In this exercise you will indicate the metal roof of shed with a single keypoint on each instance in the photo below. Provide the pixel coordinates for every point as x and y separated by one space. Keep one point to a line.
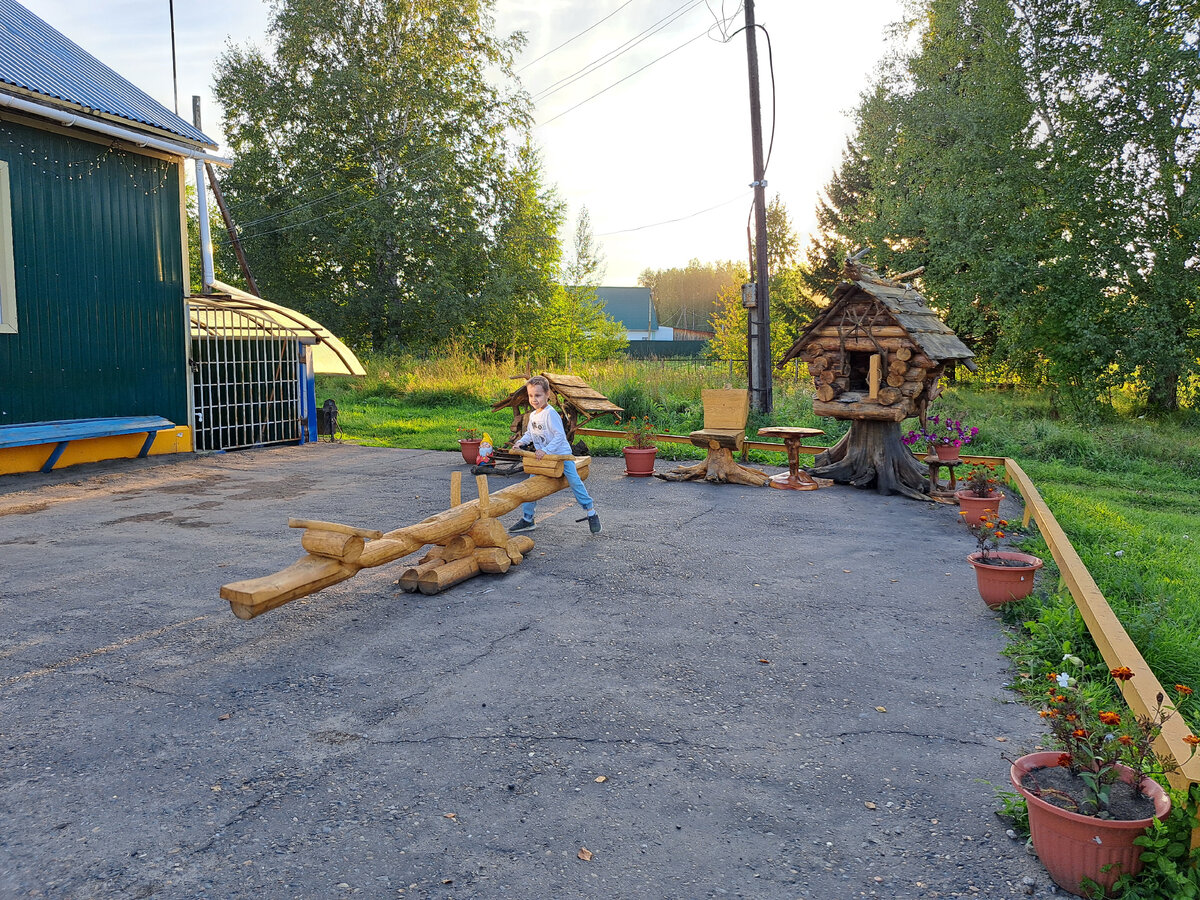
43 65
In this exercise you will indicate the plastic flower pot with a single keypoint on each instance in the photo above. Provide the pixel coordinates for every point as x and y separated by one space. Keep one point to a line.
1073 847
975 506
470 450
639 461
1009 578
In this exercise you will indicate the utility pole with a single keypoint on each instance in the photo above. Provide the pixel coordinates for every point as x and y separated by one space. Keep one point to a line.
759 318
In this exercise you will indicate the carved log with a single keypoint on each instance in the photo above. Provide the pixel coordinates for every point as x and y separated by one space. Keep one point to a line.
456 548
895 380
310 574
448 575
818 365
488 533
889 395
518 546
411 578
920 359
897 367
827 376
333 544
916 374
904 353
871 454
368 534
826 392
718 468
493 560
860 409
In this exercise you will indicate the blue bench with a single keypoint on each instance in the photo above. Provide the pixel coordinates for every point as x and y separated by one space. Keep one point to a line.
63 431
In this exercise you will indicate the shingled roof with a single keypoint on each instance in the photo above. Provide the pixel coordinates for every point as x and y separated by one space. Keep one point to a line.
905 305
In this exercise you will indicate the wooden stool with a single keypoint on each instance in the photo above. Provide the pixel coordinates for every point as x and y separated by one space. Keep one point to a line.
935 487
793 438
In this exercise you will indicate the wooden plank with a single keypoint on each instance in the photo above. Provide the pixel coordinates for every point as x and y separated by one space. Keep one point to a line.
1118 649
873 375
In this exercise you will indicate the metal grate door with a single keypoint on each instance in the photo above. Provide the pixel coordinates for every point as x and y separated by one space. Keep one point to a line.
246 383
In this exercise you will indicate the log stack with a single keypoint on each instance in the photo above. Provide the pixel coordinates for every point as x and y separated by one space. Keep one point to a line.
467 539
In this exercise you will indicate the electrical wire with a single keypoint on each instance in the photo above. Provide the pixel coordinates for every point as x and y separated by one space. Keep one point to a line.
626 78
572 38
622 49
673 221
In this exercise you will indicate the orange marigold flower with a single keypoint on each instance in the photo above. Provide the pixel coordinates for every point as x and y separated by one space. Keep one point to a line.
1064 760
1125 739
1079 733
1052 676
999 534
1192 739
1046 713
1183 689
1121 673
1110 718
1060 699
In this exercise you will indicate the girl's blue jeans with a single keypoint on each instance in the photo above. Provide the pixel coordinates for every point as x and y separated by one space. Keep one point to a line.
572 475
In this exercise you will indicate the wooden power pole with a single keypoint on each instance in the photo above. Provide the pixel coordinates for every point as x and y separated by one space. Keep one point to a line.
759 318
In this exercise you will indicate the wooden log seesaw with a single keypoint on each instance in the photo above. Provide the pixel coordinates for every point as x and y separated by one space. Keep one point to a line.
467 539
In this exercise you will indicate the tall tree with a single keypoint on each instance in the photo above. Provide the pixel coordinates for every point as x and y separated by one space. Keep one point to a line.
573 325
374 178
687 297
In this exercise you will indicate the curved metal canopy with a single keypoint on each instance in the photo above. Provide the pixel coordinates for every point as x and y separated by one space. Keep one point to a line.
257 317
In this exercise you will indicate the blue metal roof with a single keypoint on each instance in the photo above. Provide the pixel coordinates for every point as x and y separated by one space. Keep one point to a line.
39 60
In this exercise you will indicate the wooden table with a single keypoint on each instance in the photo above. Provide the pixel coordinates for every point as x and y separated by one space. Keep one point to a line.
793 438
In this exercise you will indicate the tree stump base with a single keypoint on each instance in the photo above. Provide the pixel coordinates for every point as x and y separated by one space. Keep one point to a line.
871 454
718 468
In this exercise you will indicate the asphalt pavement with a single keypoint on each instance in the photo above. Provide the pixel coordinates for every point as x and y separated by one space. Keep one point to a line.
729 692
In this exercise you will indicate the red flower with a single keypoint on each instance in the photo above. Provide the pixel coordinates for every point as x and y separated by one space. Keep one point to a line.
1125 739
1064 760
1183 690
1110 718
1191 739
1121 673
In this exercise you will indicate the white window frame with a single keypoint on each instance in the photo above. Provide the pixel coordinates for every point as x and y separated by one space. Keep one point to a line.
8 280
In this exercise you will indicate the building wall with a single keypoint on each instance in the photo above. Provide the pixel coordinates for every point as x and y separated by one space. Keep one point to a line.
99 281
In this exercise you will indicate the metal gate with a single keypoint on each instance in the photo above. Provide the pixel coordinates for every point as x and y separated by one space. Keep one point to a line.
247 378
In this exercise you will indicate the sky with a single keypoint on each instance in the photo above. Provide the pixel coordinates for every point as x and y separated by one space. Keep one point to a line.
661 158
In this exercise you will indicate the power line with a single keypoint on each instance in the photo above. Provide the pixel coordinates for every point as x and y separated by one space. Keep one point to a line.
626 78
673 221
621 49
573 37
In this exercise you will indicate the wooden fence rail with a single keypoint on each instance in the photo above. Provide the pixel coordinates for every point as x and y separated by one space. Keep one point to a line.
1118 649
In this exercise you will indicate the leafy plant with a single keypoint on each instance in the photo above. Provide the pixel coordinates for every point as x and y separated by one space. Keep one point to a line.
981 482
468 434
946 432
1098 744
638 431
988 533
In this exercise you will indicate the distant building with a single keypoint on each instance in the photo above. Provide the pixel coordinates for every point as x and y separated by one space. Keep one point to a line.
634 309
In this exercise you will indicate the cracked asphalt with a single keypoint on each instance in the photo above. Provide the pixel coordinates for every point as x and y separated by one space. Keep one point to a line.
730 692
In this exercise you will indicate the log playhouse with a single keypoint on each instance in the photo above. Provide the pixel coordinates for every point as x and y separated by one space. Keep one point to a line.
467 539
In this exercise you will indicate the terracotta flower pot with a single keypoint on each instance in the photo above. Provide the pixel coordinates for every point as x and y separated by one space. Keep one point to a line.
946 452
1000 584
975 507
1074 847
470 450
639 461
